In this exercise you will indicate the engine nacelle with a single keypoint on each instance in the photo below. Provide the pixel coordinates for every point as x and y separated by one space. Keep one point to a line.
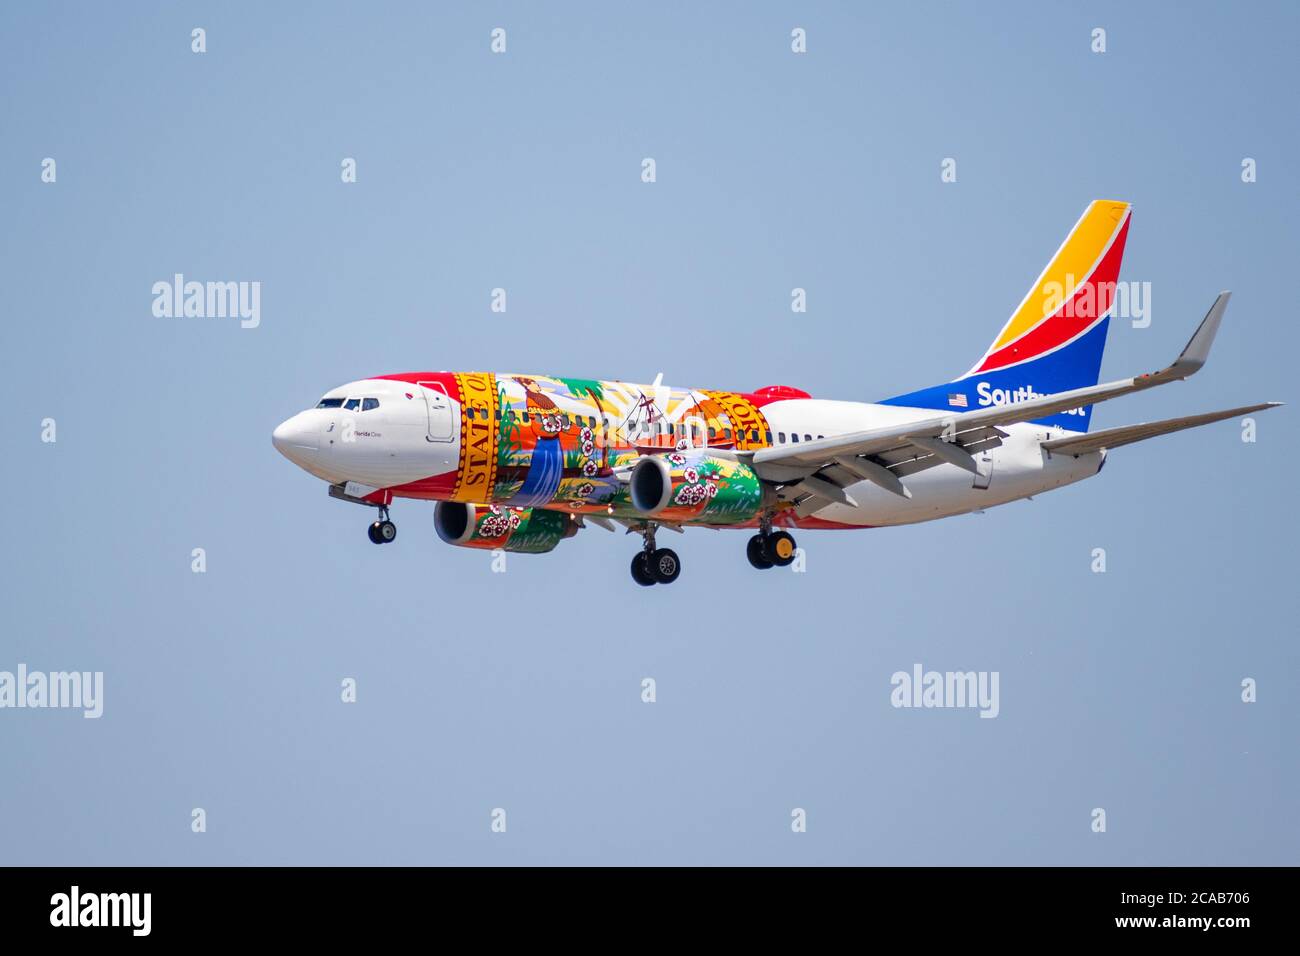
520 530
695 486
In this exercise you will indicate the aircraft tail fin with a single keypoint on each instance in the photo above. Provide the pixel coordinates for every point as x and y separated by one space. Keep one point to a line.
1055 338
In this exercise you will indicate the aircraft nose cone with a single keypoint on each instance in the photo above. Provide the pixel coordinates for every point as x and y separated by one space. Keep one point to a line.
280 437
295 438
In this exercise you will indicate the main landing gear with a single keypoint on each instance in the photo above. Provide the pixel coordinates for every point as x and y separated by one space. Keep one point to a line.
382 531
653 565
770 548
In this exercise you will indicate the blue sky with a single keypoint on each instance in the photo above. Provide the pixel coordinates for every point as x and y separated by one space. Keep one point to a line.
523 690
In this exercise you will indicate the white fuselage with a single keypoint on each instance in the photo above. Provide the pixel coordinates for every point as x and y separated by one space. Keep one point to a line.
394 446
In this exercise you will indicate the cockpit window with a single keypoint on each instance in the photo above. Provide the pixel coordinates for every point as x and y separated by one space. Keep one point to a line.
352 404
369 403
330 403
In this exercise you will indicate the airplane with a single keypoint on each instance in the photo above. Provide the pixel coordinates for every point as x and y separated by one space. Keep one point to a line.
521 462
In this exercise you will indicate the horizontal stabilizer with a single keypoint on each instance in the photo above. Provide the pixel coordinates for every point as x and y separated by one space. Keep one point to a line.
1127 434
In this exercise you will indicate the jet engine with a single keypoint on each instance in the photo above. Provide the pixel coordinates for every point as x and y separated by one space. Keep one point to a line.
695 486
520 530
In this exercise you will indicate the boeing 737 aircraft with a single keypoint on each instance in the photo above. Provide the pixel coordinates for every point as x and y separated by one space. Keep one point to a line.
521 462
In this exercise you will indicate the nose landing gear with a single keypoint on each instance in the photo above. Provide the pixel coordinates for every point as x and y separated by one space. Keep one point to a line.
382 531
653 565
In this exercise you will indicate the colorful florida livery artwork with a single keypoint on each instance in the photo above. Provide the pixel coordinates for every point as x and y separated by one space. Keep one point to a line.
519 462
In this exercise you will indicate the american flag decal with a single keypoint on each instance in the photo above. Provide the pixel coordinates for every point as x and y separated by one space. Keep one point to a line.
958 400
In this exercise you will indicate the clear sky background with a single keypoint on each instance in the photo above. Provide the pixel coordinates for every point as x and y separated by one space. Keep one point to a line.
522 690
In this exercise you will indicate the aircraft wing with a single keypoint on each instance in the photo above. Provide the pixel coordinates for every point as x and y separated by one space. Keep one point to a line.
1127 434
948 437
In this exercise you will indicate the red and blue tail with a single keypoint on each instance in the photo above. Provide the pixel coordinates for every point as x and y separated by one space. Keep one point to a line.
1054 340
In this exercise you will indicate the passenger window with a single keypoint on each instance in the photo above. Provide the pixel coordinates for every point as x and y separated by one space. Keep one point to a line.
794 437
753 435
807 437
769 438
713 433
352 404
369 403
781 435
726 433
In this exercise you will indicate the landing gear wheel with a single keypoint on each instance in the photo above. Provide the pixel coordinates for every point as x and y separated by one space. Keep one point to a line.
780 548
382 532
373 533
641 572
665 565
756 551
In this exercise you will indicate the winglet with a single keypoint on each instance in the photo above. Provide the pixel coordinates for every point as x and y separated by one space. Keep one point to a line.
1198 347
